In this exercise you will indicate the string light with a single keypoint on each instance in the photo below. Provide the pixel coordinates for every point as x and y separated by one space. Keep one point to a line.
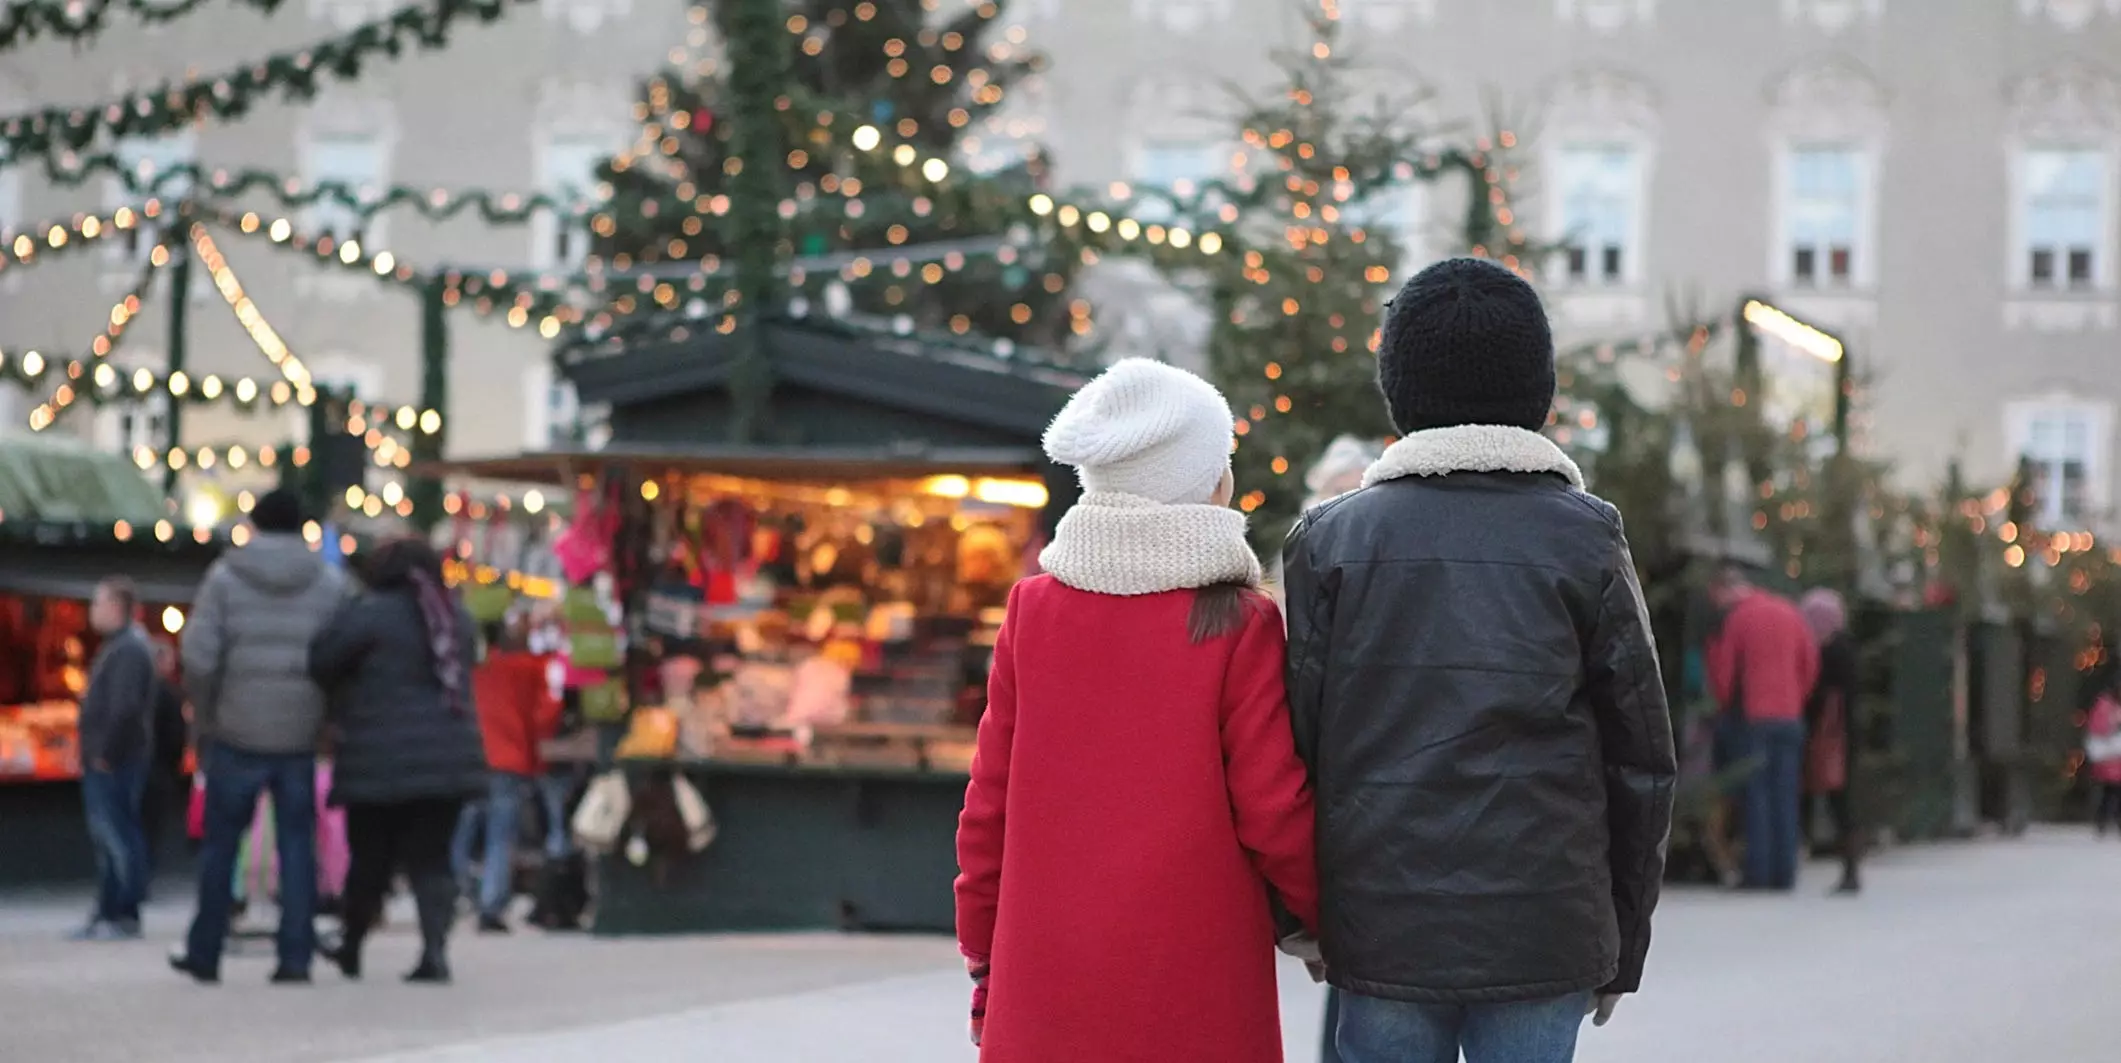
248 315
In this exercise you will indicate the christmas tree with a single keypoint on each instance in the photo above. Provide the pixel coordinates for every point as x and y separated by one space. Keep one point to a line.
890 203
1315 217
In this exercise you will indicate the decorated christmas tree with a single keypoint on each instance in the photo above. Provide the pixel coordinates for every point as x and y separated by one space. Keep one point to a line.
1316 212
890 207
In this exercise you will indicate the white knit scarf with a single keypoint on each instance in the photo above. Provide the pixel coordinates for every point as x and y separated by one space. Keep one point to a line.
1111 543
1472 448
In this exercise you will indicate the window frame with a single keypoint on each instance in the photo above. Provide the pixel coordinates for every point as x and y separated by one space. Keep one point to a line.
1782 245
2020 418
2021 251
1635 252
1181 16
128 251
1140 148
545 228
315 220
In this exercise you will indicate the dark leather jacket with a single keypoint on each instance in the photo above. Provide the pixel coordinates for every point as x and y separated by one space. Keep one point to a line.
1473 684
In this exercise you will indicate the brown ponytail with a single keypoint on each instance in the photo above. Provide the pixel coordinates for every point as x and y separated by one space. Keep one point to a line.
1218 609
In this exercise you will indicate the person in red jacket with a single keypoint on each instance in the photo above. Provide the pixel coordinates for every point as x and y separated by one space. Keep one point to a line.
1762 663
517 713
1136 794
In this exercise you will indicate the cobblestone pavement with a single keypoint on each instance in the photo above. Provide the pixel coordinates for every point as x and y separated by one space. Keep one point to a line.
1999 950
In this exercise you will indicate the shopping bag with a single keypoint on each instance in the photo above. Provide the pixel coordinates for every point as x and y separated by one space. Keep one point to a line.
601 817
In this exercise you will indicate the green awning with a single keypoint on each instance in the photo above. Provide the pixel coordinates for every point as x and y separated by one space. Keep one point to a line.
53 480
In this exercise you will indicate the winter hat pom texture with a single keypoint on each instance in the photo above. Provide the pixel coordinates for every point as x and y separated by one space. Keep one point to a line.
1467 342
1146 429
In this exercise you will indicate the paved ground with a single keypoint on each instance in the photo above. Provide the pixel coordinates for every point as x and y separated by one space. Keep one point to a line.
1992 951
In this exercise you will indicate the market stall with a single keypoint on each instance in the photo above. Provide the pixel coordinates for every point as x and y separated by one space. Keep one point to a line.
801 630
68 519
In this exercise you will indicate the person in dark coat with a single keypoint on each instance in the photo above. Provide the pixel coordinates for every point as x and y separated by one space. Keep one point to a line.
395 663
1830 723
117 742
167 786
1473 685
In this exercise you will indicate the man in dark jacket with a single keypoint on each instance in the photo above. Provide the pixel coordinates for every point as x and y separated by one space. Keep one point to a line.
258 714
117 740
1472 682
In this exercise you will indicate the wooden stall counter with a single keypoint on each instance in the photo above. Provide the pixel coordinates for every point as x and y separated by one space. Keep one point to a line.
799 846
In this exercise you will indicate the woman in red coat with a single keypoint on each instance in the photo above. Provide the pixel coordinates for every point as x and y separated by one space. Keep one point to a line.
1136 796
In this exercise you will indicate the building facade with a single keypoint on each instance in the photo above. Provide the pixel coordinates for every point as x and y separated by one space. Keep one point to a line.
529 103
1939 181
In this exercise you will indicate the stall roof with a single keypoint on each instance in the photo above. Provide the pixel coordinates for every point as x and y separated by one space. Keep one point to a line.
60 506
1010 395
789 464
53 480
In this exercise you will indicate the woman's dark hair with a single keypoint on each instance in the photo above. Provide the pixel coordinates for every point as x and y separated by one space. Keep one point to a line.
1218 609
393 563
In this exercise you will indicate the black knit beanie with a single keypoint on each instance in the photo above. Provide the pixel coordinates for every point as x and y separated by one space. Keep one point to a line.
1466 342
277 511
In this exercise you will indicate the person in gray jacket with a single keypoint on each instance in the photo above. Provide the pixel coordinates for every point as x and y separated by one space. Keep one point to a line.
259 714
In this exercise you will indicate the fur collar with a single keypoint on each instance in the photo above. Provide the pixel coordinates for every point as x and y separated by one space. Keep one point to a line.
1472 448
1110 543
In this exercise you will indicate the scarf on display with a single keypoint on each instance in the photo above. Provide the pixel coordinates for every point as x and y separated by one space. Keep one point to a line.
439 612
1472 448
1110 543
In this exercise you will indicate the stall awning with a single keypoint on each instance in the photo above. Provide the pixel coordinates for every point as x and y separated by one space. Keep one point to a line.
826 466
43 480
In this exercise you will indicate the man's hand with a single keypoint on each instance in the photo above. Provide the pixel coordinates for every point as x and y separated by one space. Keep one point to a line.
1601 1010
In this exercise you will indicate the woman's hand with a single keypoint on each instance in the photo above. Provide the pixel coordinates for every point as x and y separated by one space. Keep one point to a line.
1602 1007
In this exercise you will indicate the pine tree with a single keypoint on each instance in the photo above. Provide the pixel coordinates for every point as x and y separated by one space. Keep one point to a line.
875 115
1297 303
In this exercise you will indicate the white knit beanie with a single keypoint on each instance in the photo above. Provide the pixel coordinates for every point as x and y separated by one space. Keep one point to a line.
1147 429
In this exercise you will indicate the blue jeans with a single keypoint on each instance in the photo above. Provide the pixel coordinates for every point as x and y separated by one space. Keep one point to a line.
1391 1031
501 809
1330 1051
111 800
234 779
1773 797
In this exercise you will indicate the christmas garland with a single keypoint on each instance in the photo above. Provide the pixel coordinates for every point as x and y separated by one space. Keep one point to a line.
32 366
294 75
495 208
523 298
43 240
22 21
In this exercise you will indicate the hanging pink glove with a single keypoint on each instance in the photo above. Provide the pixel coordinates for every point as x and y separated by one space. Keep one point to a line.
977 966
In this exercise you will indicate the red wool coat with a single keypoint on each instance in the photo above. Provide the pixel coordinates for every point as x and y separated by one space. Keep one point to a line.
1132 798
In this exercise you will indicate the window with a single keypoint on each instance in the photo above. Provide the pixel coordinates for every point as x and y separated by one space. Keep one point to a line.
2065 443
11 219
2069 14
1182 16
567 170
1832 16
587 16
147 160
2063 198
129 427
1386 14
354 161
1600 205
1178 167
1823 215
1605 14
1399 211
551 411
